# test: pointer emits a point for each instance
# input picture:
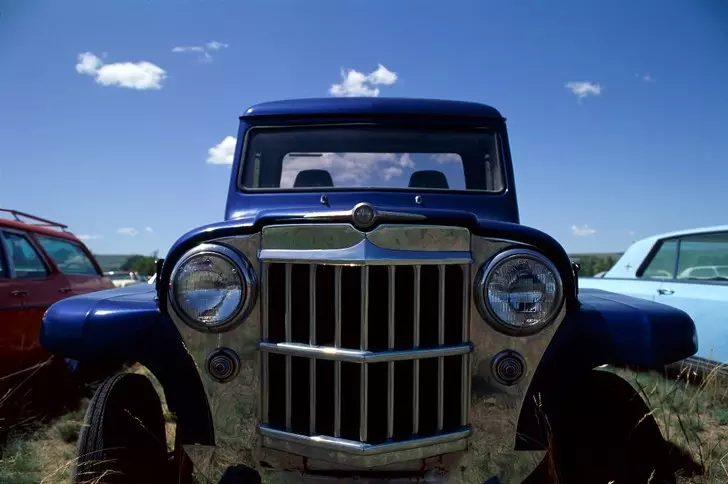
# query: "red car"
(40, 263)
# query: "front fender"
(125, 325)
(622, 330)
(605, 328)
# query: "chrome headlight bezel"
(249, 284)
(486, 273)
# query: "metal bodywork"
(495, 413)
(462, 420)
(25, 297)
(706, 301)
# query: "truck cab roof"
(371, 106)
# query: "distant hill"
(111, 262)
(576, 257)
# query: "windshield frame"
(499, 148)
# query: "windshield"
(367, 157)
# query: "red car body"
(40, 264)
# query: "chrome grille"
(365, 353)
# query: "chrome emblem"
(364, 215)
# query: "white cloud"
(203, 50)
(89, 237)
(355, 83)
(130, 231)
(582, 89)
(353, 169)
(222, 153)
(148, 229)
(647, 78)
(583, 231)
(132, 75)
(216, 45)
(447, 158)
(631, 233)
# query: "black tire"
(605, 433)
(123, 439)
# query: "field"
(692, 415)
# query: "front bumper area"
(472, 446)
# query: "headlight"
(213, 288)
(519, 291)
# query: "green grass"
(692, 415)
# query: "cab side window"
(703, 257)
(26, 261)
(69, 257)
(4, 272)
(662, 264)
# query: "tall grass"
(692, 414)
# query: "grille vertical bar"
(337, 344)
(265, 391)
(416, 344)
(465, 375)
(363, 343)
(440, 341)
(289, 315)
(312, 341)
(390, 345)
(397, 307)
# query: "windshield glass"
(366, 157)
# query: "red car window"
(3, 265)
(26, 261)
(67, 256)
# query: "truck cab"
(370, 308)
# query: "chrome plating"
(248, 281)
(486, 273)
(492, 411)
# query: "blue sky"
(637, 145)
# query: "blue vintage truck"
(370, 309)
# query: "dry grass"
(691, 414)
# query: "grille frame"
(452, 250)
(235, 406)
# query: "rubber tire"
(605, 433)
(123, 439)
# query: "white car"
(124, 278)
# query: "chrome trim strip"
(337, 344)
(416, 344)
(465, 368)
(312, 341)
(390, 346)
(441, 342)
(378, 215)
(361, 356)
(361, 448)
(365, 462)
(430, 238)
(364, 253)
(289, 315)
(265, 391)
(363, 343)
(310, 237)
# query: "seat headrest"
(428, 179)
(313, 178)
